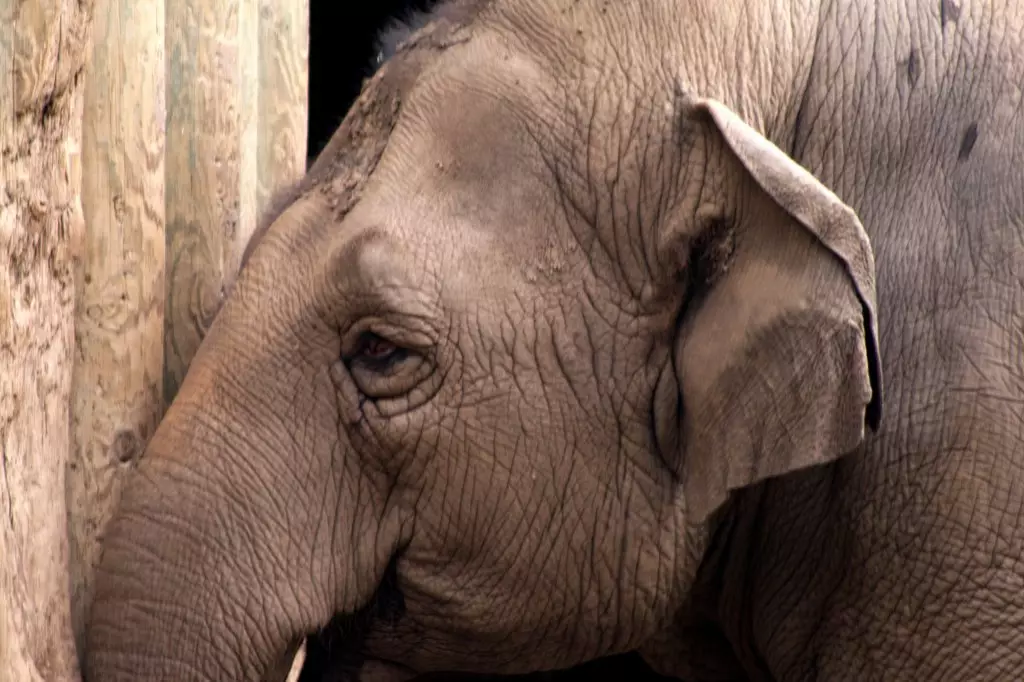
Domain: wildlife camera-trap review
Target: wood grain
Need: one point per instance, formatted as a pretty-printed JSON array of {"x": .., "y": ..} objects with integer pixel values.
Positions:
[
  {"x": 207, "y": 121},
  {"x": 42, "y": 54},
  {"x": 236, "y": 133},
  {"x": 234, "y": 76},
  {"x": 117, "y": 391},
  {"x": 283, "y": 96}
]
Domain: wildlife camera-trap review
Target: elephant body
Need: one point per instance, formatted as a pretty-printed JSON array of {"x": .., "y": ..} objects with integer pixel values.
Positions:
[
  {"x": 693, "y": 329},
  {"x": 904, "y": 559}
]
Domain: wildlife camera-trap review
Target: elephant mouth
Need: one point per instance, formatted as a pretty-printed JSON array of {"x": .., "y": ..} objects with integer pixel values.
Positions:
[
  {"x": 335, "y": 652},
  {"x": 327, "y": 661}
]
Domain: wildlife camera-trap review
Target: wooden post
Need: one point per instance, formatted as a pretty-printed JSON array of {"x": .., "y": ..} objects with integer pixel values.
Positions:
[
  {"x": 117, "y": 392},
  {"x": 236, "y": 129},
  {"x": 209, "y": 170},
  {"x": 42, "y": 53},
  {"x": 283, "y": 96},
  {"x": 235, "y": 77}
]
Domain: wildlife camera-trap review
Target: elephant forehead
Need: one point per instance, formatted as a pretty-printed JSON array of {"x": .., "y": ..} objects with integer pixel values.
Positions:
[
  {"x": 446, "y": 259},
  {"x": 506, "y": 125},
  {"x": 474, "y": 121},
  {"x": 464, "y": 176},
  {"x": 482, "y": 174}
]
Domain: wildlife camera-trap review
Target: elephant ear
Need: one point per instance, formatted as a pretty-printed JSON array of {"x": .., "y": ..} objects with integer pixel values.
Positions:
[{"x": 776, "y": 361}]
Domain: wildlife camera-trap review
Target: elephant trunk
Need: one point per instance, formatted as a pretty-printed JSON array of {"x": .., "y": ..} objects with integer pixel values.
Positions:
[
  {"x": 181, "y": 594},
  {"x": 226, "y": 549}
]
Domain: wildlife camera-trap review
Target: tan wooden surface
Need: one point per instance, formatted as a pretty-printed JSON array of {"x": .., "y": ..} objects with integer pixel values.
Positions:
[
  {"x": 236, "y": 132},
  {"x": 209, "y": 172},
  {"x": 283, "y": 100},
  {"x": 42, "y": 54},
  {"x": 117, "y": 391},
  {"x": 196, "y": 115}
]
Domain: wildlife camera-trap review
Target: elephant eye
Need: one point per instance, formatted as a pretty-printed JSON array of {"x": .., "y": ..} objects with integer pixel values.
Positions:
[
  {"x": 377, "y": 351},
  {"x": 383, "y": 369},
  {"x": 374, "y": 346}
]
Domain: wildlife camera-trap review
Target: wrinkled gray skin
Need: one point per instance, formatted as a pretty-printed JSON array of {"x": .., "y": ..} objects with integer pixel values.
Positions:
[{"x": 590, "y": 364}]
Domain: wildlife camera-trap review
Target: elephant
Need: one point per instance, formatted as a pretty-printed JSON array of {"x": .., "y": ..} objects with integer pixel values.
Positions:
[{"x": 683, "y": 330}]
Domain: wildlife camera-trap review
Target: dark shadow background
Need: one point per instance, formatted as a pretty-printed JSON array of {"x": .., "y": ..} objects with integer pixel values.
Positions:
[
  {"x": 342, "y": 38},
  {"x": 342, "y": 43}
]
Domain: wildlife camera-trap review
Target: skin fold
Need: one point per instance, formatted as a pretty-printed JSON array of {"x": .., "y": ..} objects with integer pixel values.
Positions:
[{"x": 685, "y": 328}]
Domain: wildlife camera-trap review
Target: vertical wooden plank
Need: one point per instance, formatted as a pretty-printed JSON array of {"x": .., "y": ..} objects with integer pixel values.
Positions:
[
  {"x": 210, "y": 172},
  {"x": 237, "y": 101},
  {"x": 117, "y": 390},
  {"x": 283, "y": 95},
  {"x": 249, "y": 131},
  {"x": 42, "y": 54}
]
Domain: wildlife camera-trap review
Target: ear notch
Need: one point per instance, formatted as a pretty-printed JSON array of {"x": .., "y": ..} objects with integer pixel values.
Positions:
[{"x": 778, "y": 363}]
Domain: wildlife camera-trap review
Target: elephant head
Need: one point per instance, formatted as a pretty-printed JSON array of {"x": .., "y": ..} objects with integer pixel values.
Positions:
[{"x": 484, "y": 382}]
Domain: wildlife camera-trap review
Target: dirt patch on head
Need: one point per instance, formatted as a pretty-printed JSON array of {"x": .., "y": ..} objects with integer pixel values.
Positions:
[
  {"x": 340, "y": 171},
  {"x": 355, "y": 149}
]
